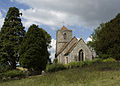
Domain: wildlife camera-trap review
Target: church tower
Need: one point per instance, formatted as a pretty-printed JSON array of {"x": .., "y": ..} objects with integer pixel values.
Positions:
[{"x": 63, "y": 36}]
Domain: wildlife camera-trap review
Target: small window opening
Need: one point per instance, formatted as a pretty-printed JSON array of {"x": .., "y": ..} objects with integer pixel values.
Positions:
[{"x": 65, "y": 36}]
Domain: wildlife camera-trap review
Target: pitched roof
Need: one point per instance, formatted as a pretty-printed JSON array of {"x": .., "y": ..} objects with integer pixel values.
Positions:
[
  {"x": 62, "y": 48},
  {"x": 70, "y": 49},
  {"x": 65, "y": 45},
  {"x": 73, "y": 46},
  {"x": 64, "y": 28}
]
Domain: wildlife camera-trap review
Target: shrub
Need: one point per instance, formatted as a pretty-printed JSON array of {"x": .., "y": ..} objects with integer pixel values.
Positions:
[
  {"x": 75, "y": 64},
  {"x": 109, "y": 60},
  {"x": 55, "y": 61},
  {"x": 83, "y": 63},
  {"x": 3, "y": 68},
  {"x": 55, "y": 67},
  {"x": 97, "y": 60},
  {"x": 66, "y": 66},
  {"x": 105, "y": 56},
  {"x": 86, "y": 63},
  {"x": 13, "y": 74}
]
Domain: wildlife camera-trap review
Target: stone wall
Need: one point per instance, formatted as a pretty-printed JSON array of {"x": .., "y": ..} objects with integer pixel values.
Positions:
[
  {"x": 60, "y": 41},
  {"x": 64, "y": 39},
  {"x": 75, "y": 52},
  {"x": 61, "y": 56}
]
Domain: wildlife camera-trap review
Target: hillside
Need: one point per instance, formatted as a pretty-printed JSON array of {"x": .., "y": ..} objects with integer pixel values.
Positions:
[{"x": 102, "y": 74}]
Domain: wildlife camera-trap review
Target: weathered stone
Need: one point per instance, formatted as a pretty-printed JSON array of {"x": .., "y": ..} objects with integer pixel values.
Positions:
[{"x": 70, "y": 49}]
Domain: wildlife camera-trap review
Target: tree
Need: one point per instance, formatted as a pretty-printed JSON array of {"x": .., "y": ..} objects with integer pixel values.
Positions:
[
  {"x": 34, "y": 49},
  {"x": 11, "y": 36},
  {"x": 107, "y": 41},
  {"x": 95, "y": 37}
]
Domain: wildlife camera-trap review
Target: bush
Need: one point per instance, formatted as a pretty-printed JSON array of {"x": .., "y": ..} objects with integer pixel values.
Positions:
[
  {"x": 12, "y": 74},
  {"x": 3, "y": 68},
  {"x": 55, "y": 67},
  {"x": 83, "y": 63},
  {"x": 97, "y": 60},
  {"x": 15, "y": 73},
  {"x": 109, "y": 60},
  {"x": 55, "y": 61},
  {"x": 78, "y": 64},
  {"x": 75, "y": 64},
  {"x": 66, "y": 66},
  {"x": 86, "y": 63}
]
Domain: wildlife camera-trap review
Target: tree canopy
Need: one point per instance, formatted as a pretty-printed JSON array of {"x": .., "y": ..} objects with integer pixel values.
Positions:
[
  {"x": 11, "y": 36},
  {"x": 106, "y": 39},
  {"x": 34, "y": 53}
]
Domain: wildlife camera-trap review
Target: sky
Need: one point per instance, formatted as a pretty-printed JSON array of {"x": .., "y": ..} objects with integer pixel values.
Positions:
[{"x": 82, "y": 16}]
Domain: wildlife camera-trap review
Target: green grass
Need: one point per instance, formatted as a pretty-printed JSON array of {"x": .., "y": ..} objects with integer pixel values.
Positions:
[{"x": 102, "y": 74}]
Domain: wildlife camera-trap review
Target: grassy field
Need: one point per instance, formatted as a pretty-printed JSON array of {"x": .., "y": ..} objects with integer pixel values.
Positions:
[{"x": 103, "y": 74}]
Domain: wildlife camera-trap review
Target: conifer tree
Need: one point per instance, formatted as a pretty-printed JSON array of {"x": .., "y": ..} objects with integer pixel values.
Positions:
[
  {"x": 34, "y": 49},
  {"x": 11, "y": 36}
]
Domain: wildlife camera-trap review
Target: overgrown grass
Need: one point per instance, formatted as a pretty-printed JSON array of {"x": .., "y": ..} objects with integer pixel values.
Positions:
[{"x": 98, "y": 74}]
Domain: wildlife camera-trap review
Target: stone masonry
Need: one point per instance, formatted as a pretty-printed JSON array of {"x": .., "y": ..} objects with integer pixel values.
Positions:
[{"x": 70, "y": 49}]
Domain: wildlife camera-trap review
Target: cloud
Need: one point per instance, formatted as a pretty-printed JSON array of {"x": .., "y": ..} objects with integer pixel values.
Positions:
[
  {"x": 87, "y": 13},
  {"x": 52, "y": 49},
  {"x": 47, "y": 17},
  {"x": 88, "y": 39},
  {"x": 1, "y": 20},
  {"x": 83, "y": 13},
  {"x": 12, "y": 0}
]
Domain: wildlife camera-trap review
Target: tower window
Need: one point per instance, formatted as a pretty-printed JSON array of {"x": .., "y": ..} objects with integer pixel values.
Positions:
[
  {"x": 65, "y": 36},
  {"x": 66, "y": 60}
]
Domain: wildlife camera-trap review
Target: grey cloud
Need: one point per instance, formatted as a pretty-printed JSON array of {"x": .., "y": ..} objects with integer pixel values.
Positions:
[{"x": 88, "y": 12}]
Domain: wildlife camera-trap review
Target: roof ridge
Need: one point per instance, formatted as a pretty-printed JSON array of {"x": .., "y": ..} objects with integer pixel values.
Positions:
[
  {"x": 77, "y": 43},
  {"x": 66, "y": 45},
  {"x": 64, "y": 28},
  {"x": 69, "y": 50}
]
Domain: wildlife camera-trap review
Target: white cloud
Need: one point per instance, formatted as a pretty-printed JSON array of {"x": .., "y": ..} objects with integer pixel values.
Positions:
[
  {"x": 87, "y": 13},
  {"x": 1, "y": 20},
  {"x": 12, "y": 0},
  {"x": 88, "y": 39},
  {"x": 52, "y": 49},
  {"x": 47, "y": 17}
]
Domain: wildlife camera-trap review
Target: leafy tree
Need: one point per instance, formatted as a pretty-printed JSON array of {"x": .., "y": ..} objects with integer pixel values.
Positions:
[
  {"x": 107, "y": 41},
  {"x": 95, "y": 37},
  {"x": 34, "y": 50},
  {"x": 11, "y": 36}
]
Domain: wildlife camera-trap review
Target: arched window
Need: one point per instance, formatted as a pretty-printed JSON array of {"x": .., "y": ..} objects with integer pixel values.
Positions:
[
  {"x": 65, "y": 35},
  {"x": 81, "y": 55}
]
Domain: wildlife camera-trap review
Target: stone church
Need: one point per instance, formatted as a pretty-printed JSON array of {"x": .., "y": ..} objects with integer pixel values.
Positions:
[{"x": 70, "y": 49}]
